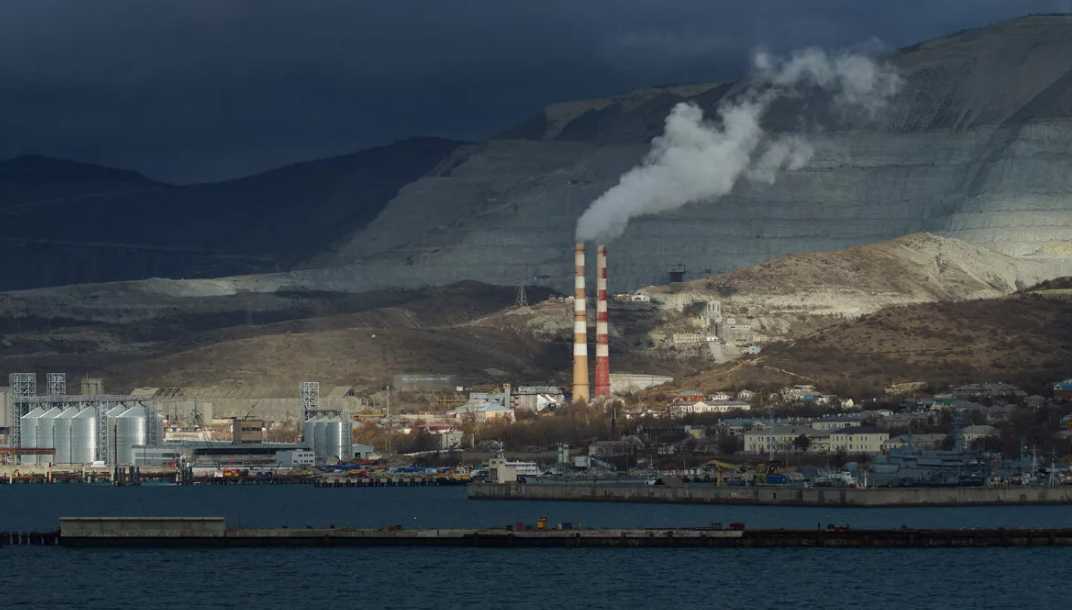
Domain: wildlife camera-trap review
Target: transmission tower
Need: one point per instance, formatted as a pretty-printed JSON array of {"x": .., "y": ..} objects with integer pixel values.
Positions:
[{"x": 522, "y": 297}]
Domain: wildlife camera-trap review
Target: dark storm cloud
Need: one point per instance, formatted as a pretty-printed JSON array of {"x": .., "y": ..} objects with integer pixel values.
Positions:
[{"x": 208, "y": 89}]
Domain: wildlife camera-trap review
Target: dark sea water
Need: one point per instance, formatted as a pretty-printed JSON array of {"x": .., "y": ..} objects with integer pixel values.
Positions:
[{"x": 619, "y": 579}]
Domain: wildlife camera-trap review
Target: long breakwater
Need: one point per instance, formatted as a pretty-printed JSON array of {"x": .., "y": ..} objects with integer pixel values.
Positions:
[
  {"x": 774, "y": 496},
  {"x": 211, "y": 532}
]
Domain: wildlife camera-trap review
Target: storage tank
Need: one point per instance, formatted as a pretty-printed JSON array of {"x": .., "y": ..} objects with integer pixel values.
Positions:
[
  {"x": 309, "y": 433},
  {"x": 333, "y": 440},
  {"x": 338, "y": 442},
  {"x": 84, "y": 437},
  {"x": 61, "y": 432},
  {"x": 321, "y": 449},
  {"x": 46, "y": 425},
  {"x": 110, "y": 417},
  {"x": 28, "y": 432},
  {"x": 129, "y": 431}
]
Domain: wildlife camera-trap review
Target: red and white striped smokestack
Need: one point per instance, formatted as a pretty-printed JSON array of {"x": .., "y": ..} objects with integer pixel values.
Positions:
[
  {"x": 602, "y": 353},
  {"x": 580, "y": 327}
]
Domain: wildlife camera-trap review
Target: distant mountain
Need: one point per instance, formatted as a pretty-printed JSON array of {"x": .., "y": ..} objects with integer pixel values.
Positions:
[
  {"x": 975, "y": 146},
  {"x": 67, "y": 223},
  {"x": 31, "y": 180}
]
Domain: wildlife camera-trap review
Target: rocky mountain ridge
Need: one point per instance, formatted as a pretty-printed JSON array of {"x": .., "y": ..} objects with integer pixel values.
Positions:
[
  {"x": 789, "y": 295},
  {"x": 975, "y": 147}
]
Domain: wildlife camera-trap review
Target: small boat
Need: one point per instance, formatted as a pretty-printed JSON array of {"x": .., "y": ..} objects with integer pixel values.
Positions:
[{"x": 835, "y": 478}]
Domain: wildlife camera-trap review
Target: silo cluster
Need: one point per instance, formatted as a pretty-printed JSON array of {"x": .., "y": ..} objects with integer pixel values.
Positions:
[
  {"x": 330, "y": 437},
  {"x": 72, "y": 432}
]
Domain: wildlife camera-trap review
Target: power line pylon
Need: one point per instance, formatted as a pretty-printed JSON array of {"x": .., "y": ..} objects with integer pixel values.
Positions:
[{"x": 522, "y": 297}]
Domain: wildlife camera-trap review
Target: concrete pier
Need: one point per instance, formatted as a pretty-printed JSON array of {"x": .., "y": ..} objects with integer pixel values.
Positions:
[
  {"x": 211, "y": 532},
  {"x": 774, "y": 496}
]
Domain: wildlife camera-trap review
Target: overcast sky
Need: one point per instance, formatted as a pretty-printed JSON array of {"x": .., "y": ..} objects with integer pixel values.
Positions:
[{"x": 195, "y": 90}]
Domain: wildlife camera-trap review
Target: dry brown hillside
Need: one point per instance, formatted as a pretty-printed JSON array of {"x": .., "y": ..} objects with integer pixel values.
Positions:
[
  {"x": 329, "y": 337},
  {"x": 1021, "y": 339}
]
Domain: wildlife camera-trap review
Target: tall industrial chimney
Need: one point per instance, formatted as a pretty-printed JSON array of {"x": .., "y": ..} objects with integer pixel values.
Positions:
[
  {"x": 580, "y": 328},
  {"x": 602, "y": 354}
]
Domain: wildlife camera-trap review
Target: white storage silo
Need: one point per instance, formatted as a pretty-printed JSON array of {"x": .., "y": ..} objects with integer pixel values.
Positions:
[
  {"x": 84, "y": 437},
  {"x": 110, "y": 417},
  {"x": 46, "y": 439},
  {"x": 61, "y": 432},
  {"x": 28, "y": 432},
  {"x": 309, "y": 433},
  {"x": 321, "y": 448},
  {"x": 337, "y": 440},
  {"x": 129, "y": 431}
]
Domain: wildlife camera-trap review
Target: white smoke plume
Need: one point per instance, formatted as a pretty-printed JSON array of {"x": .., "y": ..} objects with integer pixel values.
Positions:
[{"x": 697, "y": 160}]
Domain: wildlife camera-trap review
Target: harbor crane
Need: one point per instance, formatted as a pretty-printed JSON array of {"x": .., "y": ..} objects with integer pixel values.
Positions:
[{"x": 766, "y": 473}]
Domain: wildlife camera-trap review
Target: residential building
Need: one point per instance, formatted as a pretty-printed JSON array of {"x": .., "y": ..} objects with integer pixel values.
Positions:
[
  {"x": 688, "y": 397},
  {"x": 738, "y": 426},
  {"x": 781, "y": 437},
  {"x": 858, "y": 439},
  {"x": 942, "y": 401},
  {"x": 1063, "y": 389},
  {"x": 715, "y": 407},
  {"x": 923, "y": 441},
  {"x": 835, "y": 423},
  {"x": 971, "y": 434}
]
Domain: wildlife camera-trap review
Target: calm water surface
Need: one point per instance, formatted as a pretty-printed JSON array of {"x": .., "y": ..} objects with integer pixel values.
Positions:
[{"x": 91, "y": 579}]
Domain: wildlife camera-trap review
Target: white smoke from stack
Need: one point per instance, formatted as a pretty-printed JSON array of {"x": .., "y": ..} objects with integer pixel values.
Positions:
[{"x": 695, "y": 160}]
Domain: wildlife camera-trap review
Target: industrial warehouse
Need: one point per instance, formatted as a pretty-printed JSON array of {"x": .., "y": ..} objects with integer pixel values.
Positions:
[{"x": 95, "y": 430}]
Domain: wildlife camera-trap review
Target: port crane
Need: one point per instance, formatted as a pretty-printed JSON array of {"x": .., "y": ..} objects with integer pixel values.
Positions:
[{"x": 766, "y": 473}]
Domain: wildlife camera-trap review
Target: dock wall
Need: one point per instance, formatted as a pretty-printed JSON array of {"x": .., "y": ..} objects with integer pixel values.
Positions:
[
  {"x": 774, "y": 496},
  {"x": 130, "y": 533},
  {"x": 142, "y": 528}
]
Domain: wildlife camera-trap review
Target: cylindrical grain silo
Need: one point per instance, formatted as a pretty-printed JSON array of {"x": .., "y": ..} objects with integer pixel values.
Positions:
[
  {"x": 46, "y": 439},
  {"x": 61, "y": 432},
  {"x": 28, "y": 432},
  {"x": 309, "y": 433},
  {"x": 129, "y": 431},
  {"x": 321, "y": 449},
  {"x": 335, "y": 446},
  {"x": 84, "y": 437},
  {"x": 110, "y": 417}
]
